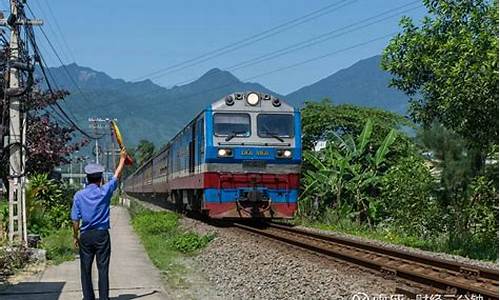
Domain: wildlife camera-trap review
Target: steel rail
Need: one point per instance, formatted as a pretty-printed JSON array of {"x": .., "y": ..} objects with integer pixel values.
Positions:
[
  {"x": 468, "y": 270},
  {"x": 380, "y": 259}
]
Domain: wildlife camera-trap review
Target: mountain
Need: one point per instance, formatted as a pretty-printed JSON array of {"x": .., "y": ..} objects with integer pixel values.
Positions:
[
  {"x": 148, "y": 111},
  {"x": 144, "y": 110},
  {"x": 363, "y": 83}
]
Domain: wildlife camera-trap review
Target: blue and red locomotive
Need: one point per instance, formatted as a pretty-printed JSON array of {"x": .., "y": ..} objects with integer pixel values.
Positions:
[{"x": 238, "y": 158}]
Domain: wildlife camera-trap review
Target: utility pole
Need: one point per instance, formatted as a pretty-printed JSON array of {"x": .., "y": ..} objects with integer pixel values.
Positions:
[
  {"x": 15, "y": 189},
  {"x": 17, "y": 133},
  {"x": 100, "y": 125},
  {"x": 94, "y": 123},
  {"x": 71, "y": 168}
]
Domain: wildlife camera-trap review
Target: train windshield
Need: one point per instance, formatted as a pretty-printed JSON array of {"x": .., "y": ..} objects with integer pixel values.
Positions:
[
  {"x": 227, "y": 124},
  {"x": 275, "y": 125}
]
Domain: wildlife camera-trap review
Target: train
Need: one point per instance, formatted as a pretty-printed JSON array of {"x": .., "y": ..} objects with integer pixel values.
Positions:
[{"x": 239, "y": 158}]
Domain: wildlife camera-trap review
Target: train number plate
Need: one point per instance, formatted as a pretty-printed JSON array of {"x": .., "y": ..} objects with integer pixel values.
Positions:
[{"x": 254, "y": 165}]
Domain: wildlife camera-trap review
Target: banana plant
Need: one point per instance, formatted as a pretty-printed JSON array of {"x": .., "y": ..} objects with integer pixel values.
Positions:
[{"x": 347, "y": 166}]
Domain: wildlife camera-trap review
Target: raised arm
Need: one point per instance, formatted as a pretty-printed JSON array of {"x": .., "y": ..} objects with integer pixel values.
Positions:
[{"x": 121, "y": 164}]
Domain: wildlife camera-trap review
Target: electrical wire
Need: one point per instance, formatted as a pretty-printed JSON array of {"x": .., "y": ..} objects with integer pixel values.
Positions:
[
  {"x": 73, "y": 81},
  {"x": 253, "y": 38},
  {"x": 44, "y": 73},
  {"x": 386, "y": 15},
  {"x": 237, "y": 44},
  {"x": 317, "y": 40},
  {"x": 58, "y": 29},
  {"x": 203, "y": 92}
]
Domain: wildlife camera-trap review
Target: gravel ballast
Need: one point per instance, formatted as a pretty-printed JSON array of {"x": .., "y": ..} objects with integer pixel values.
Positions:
[
  {"x": 239, "y": 265},
  {"x": 243, "y": 266}
]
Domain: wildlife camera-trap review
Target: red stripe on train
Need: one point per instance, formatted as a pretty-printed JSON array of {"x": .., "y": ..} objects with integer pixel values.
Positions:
[{"x": 235, "y": 180}]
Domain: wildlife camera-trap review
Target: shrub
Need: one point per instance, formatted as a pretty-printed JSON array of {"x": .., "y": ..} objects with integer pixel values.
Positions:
[
  {"x": 115, "y": 200},
  {"x": 11, "y": 259},
  {"x": 59, "y": 245},
  {"x": 347, "y": 172},
  {"x": 189, "y": 242},
  {"x": 48, "y": 204},
  {"x": 160, "y": 232},
  {"x": 407, "y": 197}
]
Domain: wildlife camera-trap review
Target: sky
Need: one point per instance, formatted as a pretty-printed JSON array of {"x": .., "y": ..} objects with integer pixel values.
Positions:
[{"x": 132, "y": 39}]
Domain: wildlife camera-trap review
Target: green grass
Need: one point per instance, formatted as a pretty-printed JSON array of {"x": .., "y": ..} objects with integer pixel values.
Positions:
[
  {"x": 115, "y": 200},
  {"x": 59, "y": 245},
  {"x": 165, "y": 242},
  {"x": 483, "y": 250}
]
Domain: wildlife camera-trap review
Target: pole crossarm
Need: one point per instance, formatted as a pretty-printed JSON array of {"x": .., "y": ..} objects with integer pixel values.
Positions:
[{"x": 22, "y": 22}]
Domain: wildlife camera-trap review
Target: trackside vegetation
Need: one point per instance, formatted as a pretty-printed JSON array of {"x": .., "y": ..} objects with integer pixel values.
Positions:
[
  {"x": 429, "y": 181},
  {"x": 165, "y": 241},
  {"x": 48, "y": 203}
]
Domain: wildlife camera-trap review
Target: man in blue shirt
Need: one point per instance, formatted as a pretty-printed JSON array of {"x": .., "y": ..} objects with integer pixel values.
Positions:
[{"x": 91, "y": 207}]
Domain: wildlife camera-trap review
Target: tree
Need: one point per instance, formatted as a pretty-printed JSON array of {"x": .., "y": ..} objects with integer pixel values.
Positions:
[
  {"x": 449, "y": 67},
  {"x": 144, "y": 151},
  {"x": 49, "y": 143},
  {"x": 324, "y": 121},
  {"x": 468, "y": 200}
]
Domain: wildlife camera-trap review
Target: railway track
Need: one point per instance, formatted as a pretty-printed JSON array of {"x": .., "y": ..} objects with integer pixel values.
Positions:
[{"x": 434, "y": 274}]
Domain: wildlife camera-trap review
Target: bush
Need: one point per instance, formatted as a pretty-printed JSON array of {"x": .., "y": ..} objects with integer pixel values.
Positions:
[
  {"x": 115, "y": 200},
  {"x": 347, "y": 173},
  {"x": 59, "y": 245},
  {"x": 189, "y": 242},
  {"x": 160, "y": 232},
  {"x": 48, "y": 204},
  {"x": 11, "y": 259},
  {"x": 407, "y": 197}
]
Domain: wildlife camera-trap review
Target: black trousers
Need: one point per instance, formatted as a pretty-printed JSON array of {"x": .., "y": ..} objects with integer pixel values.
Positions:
[{"x": 95, "y": 243}]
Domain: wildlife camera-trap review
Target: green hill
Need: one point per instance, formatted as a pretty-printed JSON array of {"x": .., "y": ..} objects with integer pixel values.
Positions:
[
  {"x": 147, "y": 111},
  {"x": 363, "y": 83}
]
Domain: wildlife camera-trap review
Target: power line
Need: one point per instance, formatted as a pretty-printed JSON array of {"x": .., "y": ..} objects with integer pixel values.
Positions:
[
  {"x": 285, "y": 67},
  {"x": 304, "y": 44},
  {"x": 243, "y": 42},
  {"x": 68, "y": 48},
  {"x": 51, "y": 29},
  {"x": 322, "y": 56},
  {"x": 44, "y": 73},
  {"x": 317, "y": 39},
  {"x": 60, "y": 60},
  {"x": 253, "y": 38},
  {"x": 73, "y": 123}
]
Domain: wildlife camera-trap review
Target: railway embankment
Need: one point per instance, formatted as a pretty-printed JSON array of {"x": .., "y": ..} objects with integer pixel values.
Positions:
[
  {"x": 398, "y": 247},
  {"x": 236, "y": 265},
  {"x": 171, "y": 247}
]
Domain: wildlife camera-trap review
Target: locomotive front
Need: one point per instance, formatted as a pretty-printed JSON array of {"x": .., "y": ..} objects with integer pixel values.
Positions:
[{"x": 253, "y": 156}]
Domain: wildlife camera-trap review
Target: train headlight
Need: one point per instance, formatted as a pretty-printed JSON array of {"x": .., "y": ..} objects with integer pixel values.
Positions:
[
  {"x": 284, "y": 153},
  {"x": 253, "y": 99},
  {"x": 224, "y": 152}
]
